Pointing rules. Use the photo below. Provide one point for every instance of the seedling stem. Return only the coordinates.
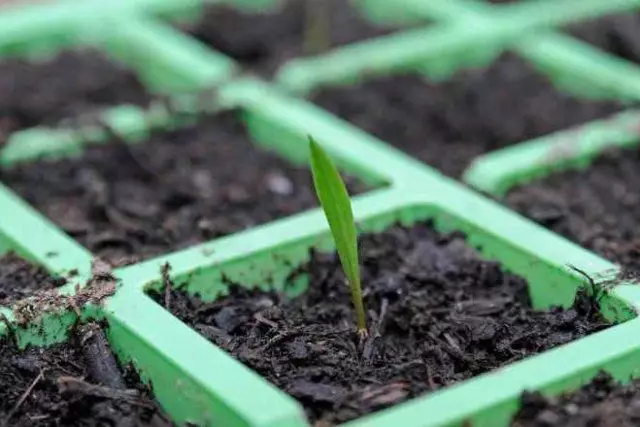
(317, 26)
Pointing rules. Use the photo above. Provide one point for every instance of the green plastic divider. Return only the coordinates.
(196, 381)
(499, 171)
(441, 50)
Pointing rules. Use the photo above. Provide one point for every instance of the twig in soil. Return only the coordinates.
(214, 334)
(368, 347)
(261, 319)
(24, 396)
(278, 339)
(452, 350)
(102, 365)
(432, 385)
(78, 386)
(166, 280)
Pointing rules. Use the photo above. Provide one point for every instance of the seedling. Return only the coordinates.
(317, 26)
(334, 199)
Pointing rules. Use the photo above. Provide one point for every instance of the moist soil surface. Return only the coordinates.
(263, 41)
(56, 386)
(36, 93)
(617, 34)
(601, 403)
(130, 202)
(448, 124)
(437, 314)
(598, 207)
(20, 279)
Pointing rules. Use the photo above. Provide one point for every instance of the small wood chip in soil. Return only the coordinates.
(598, 207)
(263, 41)
(176, 189)
(20, 279)
(441, 313)
(43, 92)
(52, 387)
(603, 402)
(448, 124)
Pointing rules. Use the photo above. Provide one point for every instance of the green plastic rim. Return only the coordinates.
(198, 382)
(499, 171)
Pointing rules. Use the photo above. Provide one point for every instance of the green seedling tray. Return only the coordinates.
(198, 382)
(195, 381)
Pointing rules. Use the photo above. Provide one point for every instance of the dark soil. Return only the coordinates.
(55, 387)
(599, 207)
(20, 279)
(617, 34)
(71, 83)
(178, 188)
(263, 41)
(601, 403)
(437, 314)
(448, 124)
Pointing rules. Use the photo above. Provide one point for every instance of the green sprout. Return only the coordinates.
(334, 199)
(317, 26)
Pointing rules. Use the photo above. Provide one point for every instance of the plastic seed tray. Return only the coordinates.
(200, 383)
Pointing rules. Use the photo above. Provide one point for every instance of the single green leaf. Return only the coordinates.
(336, 204)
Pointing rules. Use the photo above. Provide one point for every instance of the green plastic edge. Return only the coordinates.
(438, 51)
(628, 294)
(499, 171)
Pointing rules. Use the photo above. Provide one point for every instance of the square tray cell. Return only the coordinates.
(60, 68)
(596, 207)
(279, 249)
(127, 202)
(45, 91)
(575, 183)
(262, 39)
(447, 124)
(438, 314)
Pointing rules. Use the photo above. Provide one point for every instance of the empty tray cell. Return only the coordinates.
(448, 124)
(127, 202)
(598, 207)
(43, 91)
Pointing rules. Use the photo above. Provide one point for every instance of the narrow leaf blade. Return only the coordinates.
(336, 204)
